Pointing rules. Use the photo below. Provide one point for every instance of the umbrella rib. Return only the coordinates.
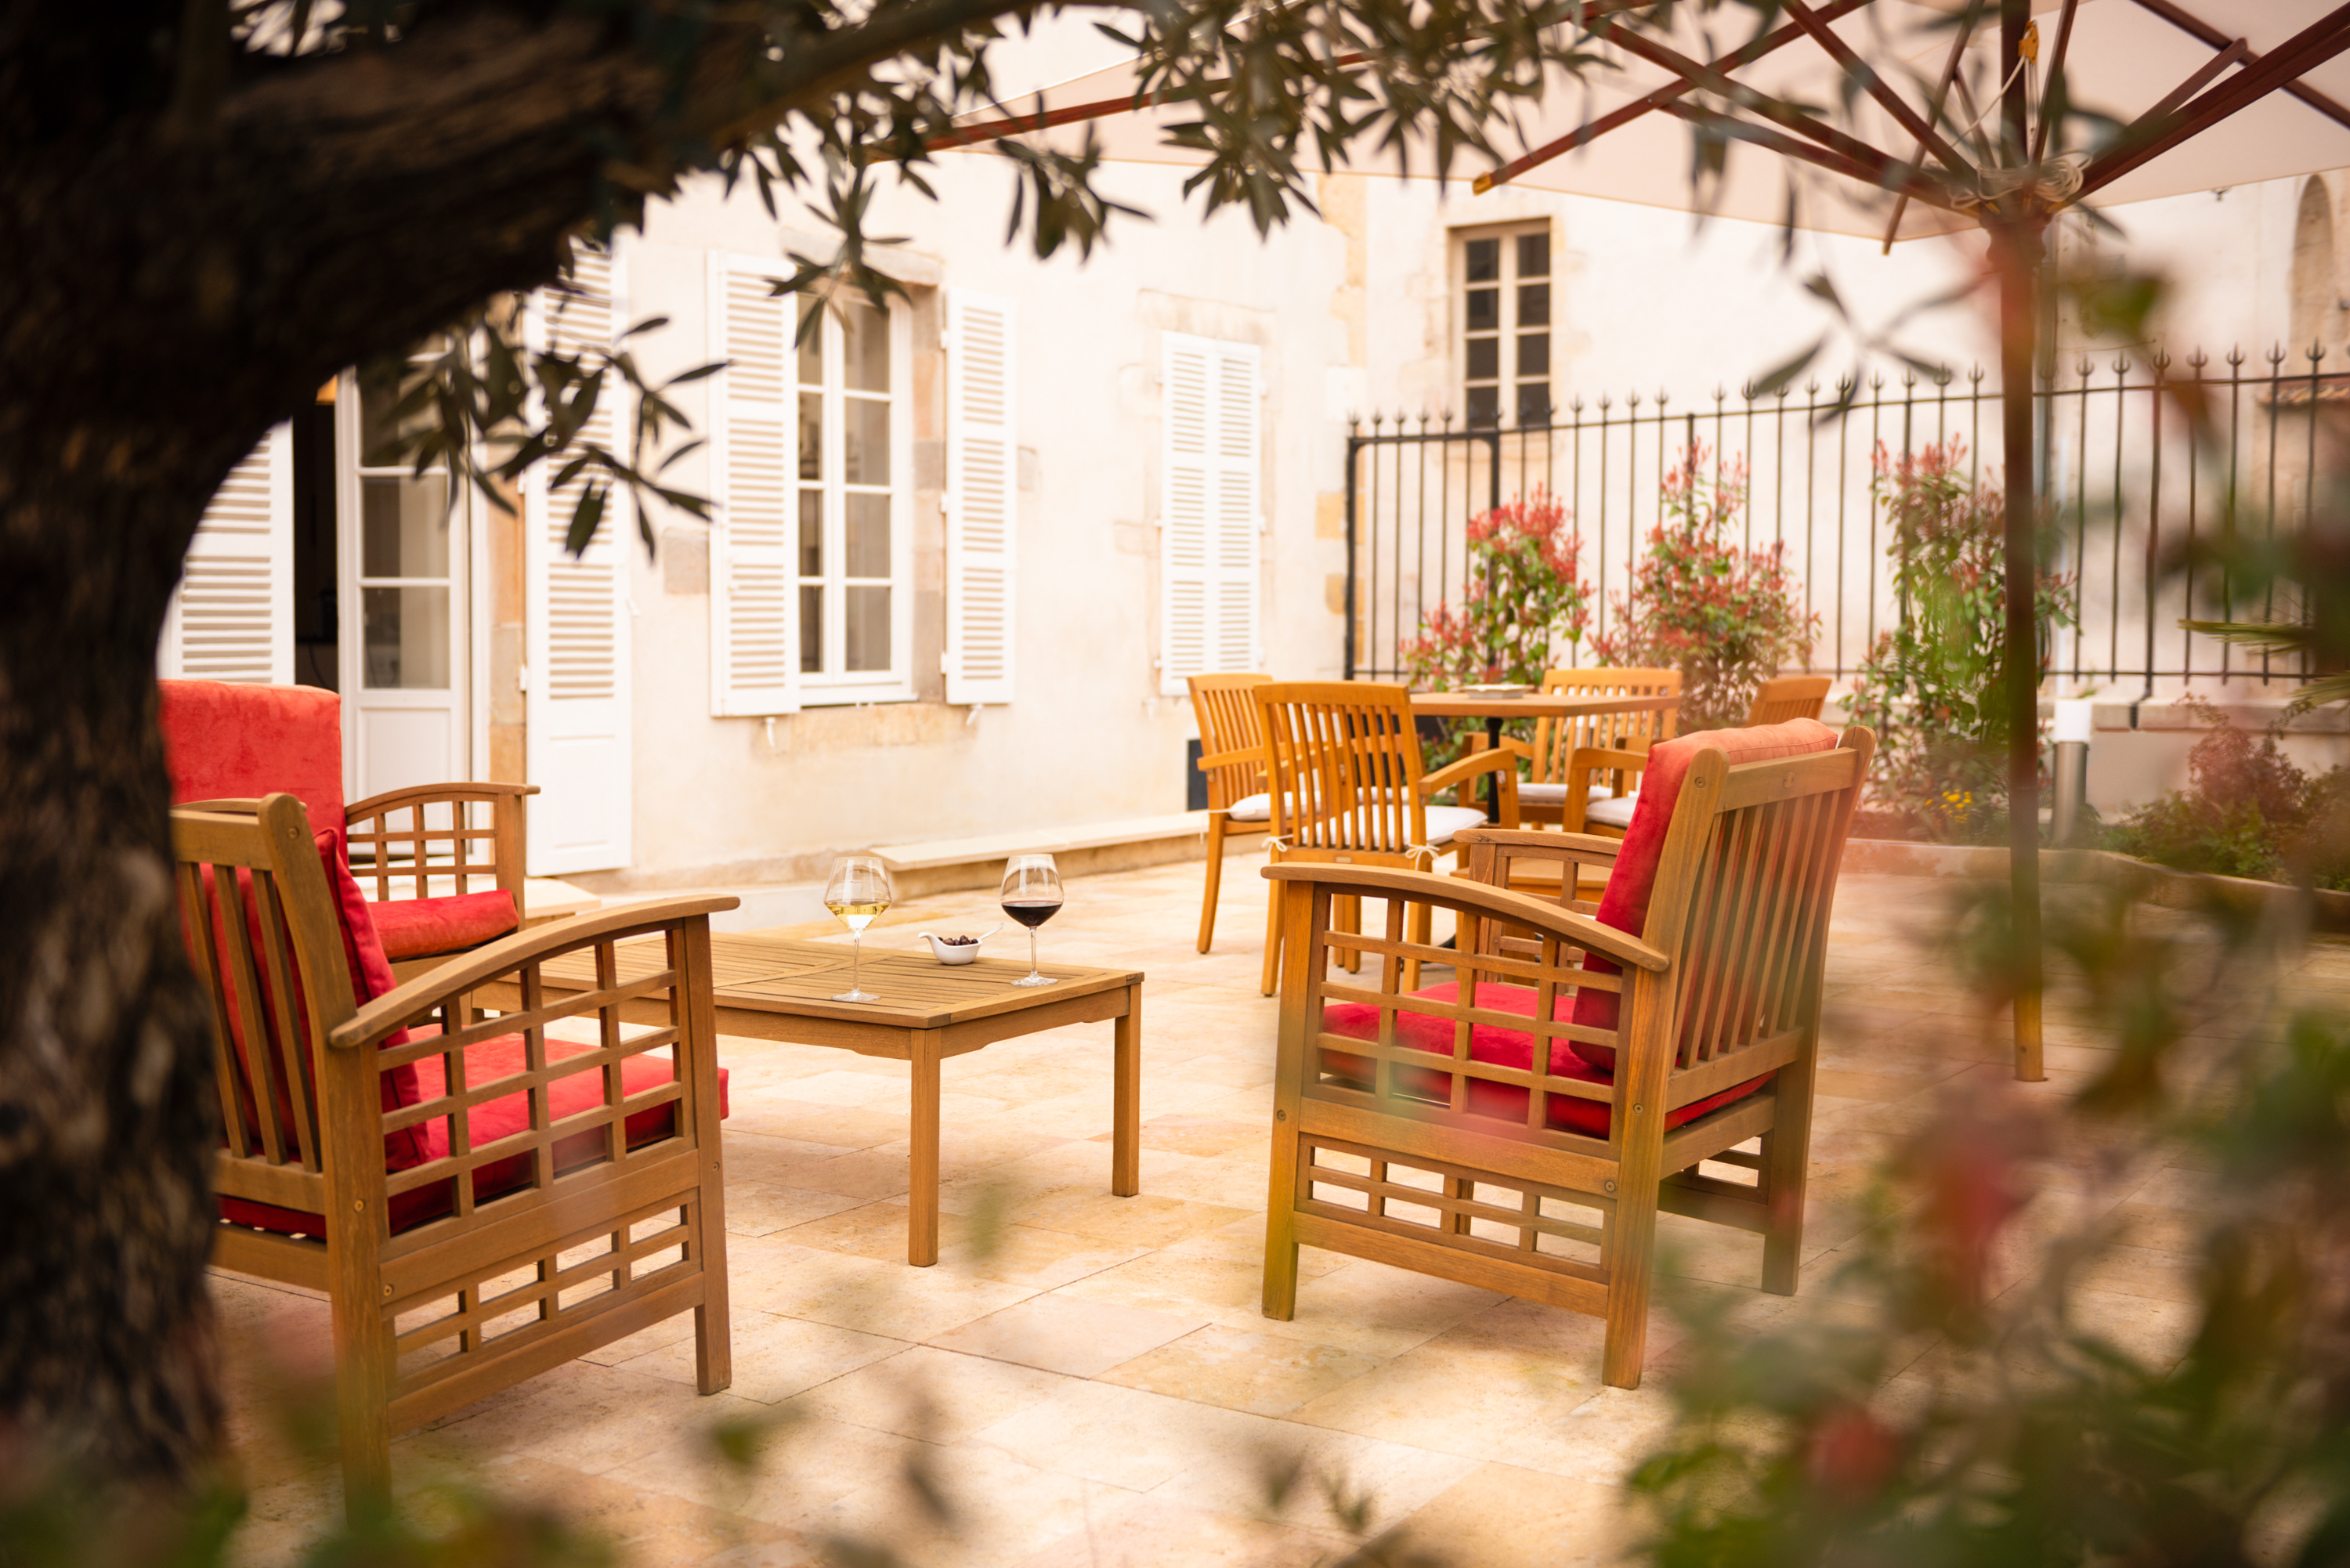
(2202, 31)
(1583, 136)
(1705, 77)
(2305, 51)
(1877, 87)
(1959, 42)
(1916, 187)
(2056, 79)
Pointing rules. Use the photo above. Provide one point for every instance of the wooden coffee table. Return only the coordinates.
(769, 989)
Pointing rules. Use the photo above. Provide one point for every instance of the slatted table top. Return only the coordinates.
(1531, 704)
(769, 974)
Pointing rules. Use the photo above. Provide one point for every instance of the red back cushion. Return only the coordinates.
(225, 742)
(371, 976)
(1624, 903)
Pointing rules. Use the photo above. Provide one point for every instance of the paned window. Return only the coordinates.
(849, 405)
(1505, 318)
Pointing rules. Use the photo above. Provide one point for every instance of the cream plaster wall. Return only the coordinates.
(1352, 311)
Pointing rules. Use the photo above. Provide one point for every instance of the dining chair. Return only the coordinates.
(1784, 697)
(1520, 1127)
(1346, 784)
(1542, 795)
(1231, 759)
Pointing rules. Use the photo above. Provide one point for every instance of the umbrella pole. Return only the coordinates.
(2015, 245)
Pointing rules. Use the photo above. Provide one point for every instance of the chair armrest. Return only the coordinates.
(392, 1010)
(1233, 759)
(1469, 767)
(1477, 897)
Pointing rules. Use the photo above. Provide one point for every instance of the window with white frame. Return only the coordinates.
(812, 448)
(851, 404)
(1505, 321)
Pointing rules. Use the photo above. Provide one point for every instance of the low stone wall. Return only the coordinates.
(2155, 884)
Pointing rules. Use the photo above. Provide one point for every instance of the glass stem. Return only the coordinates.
(1032, 953)
(856, 960)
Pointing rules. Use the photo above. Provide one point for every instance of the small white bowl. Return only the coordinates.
(957, 952)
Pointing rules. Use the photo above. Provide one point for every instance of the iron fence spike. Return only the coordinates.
(2316, 351)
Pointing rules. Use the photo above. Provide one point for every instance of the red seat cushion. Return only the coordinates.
(1496, 1046)
(1624, 903)
(224, 742)
(485, 1063)
(421, 927)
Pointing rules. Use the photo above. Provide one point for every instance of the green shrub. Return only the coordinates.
(2248, 812)
(1934, 687)
(1724, 616)
(1525, 606)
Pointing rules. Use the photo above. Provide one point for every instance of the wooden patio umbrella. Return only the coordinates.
(1951, 115)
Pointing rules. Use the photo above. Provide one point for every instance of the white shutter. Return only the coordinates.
(1211, 510)
(983, 483)
(753, 441)
(231, 619)
(577, 701)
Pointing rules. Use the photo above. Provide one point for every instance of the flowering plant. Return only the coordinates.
(1934, 687)
(1525, 596)
(1725, 616)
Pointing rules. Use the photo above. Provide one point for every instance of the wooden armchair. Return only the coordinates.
(1543, 794)
(1785, 697)
(1232, 756)
(1348, 785)
(446, 860)
(1521, 1128)
(481, 1198)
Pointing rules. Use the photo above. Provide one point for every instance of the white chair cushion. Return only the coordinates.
(1533, 793)
(1257, 807)
(1444, 821)
(1616, 811)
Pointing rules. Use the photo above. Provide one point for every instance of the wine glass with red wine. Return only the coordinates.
(1031, 896)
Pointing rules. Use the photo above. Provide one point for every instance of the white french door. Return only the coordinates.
(402, 555)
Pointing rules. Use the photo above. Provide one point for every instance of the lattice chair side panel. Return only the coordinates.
(435, 841)
(1394, 1141)
(562, 1229)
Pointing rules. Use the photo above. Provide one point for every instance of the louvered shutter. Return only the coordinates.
(230, 618)
(982, 478)
(577, 703)
(1211, 510)
(754, 431)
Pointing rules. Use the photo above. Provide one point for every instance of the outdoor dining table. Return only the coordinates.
(1496, 708)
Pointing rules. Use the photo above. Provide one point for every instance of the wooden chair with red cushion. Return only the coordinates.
(445, 859)
(1608, 1061)
(482, 1197)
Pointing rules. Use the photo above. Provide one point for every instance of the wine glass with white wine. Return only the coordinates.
(1031, 896)
(859, 890)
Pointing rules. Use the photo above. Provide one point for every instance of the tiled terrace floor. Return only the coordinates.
(1088, 1378)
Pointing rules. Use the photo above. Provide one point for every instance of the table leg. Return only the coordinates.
(1126, 1094)
(923, 1158)
(1492, 782)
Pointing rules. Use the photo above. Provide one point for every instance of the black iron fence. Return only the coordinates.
(2119, 472)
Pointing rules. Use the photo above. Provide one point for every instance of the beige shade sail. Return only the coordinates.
(2123, 59)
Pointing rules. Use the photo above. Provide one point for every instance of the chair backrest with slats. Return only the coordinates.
(257, 918)
(1225, 707)
(1743, 891)
(1784, 697)
(1557, 739)
(1343, 764)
